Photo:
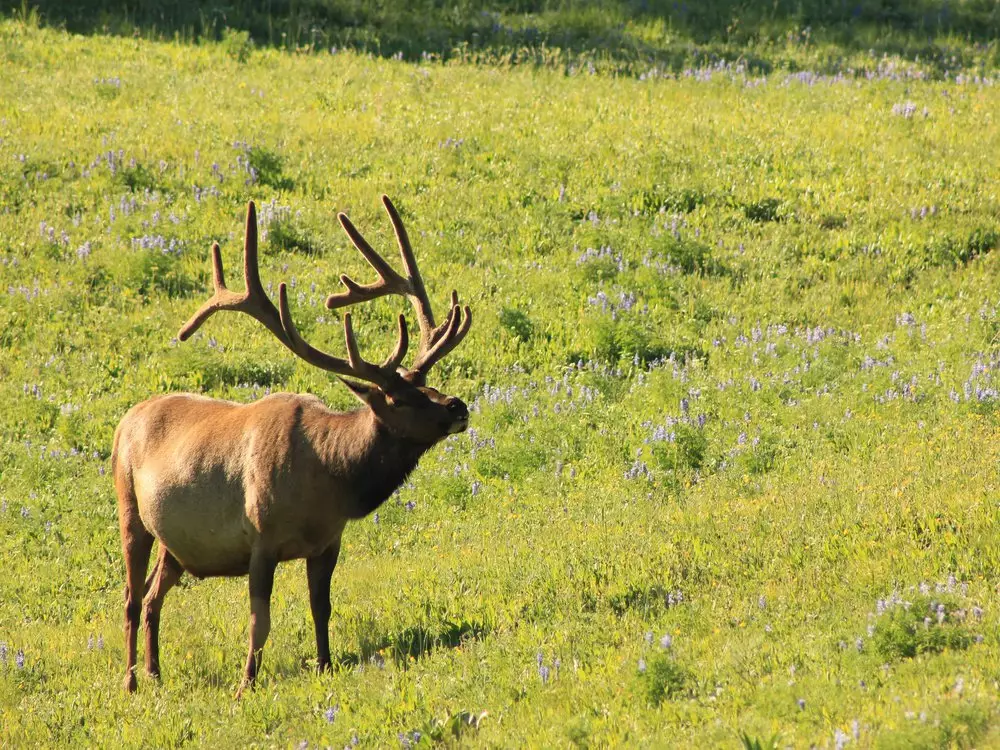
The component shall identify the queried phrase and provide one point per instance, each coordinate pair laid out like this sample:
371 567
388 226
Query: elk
234 489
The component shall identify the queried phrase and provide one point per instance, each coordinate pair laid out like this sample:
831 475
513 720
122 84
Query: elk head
399 397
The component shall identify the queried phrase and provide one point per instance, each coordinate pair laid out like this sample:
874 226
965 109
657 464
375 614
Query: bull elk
234 489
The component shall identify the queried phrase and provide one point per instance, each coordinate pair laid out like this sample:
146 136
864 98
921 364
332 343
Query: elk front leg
261 582
319 570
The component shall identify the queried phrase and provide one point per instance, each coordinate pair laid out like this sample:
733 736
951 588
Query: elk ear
413 377
364 393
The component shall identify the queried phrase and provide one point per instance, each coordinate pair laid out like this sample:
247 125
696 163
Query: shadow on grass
414 642
621 33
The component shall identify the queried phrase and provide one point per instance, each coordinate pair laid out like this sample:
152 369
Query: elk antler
435 341
255 302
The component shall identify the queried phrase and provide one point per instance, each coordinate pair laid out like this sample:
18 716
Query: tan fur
213 479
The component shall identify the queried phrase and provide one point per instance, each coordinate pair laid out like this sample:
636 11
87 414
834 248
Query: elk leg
166 573
319 570
137 543
261 582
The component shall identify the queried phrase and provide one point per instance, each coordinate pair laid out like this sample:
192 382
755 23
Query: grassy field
733 465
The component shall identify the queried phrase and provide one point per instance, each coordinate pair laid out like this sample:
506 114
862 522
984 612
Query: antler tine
389 281
459 322
437 333
425 315
354 366
251 269
402 344
253 301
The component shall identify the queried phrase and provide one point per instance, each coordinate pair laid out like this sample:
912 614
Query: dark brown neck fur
367 462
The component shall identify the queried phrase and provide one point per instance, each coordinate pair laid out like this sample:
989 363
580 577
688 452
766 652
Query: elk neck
365 460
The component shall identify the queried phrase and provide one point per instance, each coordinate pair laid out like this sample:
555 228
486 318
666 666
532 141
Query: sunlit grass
732 380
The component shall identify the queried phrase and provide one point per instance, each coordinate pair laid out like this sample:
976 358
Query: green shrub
516 323
664 679
904 632
237 44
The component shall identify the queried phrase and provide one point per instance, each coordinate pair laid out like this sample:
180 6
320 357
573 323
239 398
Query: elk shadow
527 29
412 643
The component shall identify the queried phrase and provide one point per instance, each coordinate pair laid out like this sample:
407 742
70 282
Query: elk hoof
130 683
245 686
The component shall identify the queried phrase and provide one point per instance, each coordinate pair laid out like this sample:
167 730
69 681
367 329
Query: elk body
234 489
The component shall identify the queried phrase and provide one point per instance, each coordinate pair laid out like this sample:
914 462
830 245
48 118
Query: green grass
810 264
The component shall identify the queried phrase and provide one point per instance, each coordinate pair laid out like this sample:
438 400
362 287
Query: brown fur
221 484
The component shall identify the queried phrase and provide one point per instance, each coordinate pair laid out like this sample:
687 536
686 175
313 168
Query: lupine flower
19 658
331 713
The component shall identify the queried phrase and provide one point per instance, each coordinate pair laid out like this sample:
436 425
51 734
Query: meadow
732 474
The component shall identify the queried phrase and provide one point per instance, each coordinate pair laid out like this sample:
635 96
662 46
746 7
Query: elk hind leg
137 543
164 577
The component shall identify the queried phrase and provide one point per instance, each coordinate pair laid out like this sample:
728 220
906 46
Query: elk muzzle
459 413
